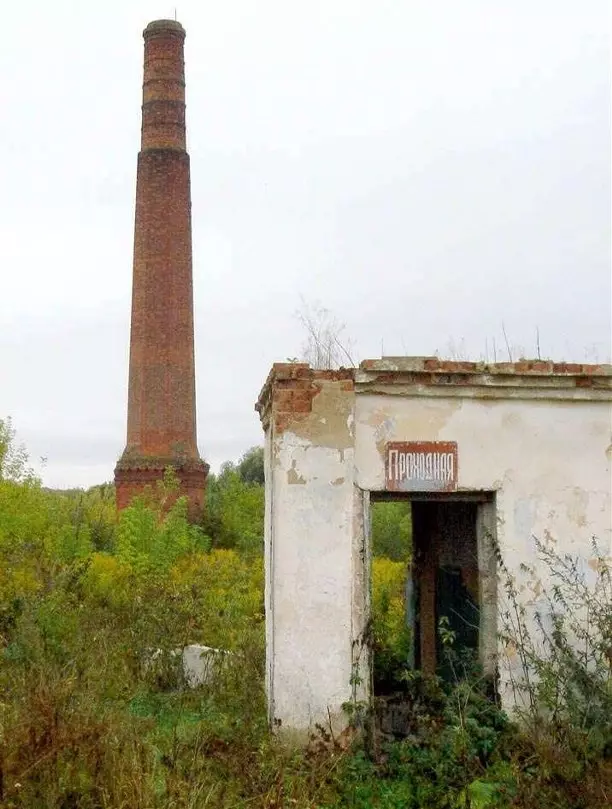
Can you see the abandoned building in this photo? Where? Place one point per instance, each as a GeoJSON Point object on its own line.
{"type": "Point", "coordinates": [491, 457]}
{"type": "Point", "coordinates": [161, 421]}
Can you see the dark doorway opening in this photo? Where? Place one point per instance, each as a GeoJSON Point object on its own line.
{"type": "Point", "coordinates": [445, 574]}
{"type": "Point", "coordinates": [432, 551]}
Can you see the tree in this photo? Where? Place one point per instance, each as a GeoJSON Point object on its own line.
{"type": "Point", "coordinates": [13, 457]}
{"type": "Point", "coordinates": [325, 347]}
{"type": "Point", "coordinates": [234, 515]}
{"type": "Point", "coordinates": [392, 530]}
{"type": "Point", "coordinates": [251, 466]}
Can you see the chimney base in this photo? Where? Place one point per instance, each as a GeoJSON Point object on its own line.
{"type": "Point", "coordinates": [138, 476]}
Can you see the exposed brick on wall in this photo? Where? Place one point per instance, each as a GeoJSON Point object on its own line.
{"type": "Point", "coordinates": [161, 409]}
{"type": "Point", "coordinates": [161, 428]}
{"type": "Point", "coordinates": [132, 482]}
{"type": "Point", "coordinates": [521, 367]}
{"type": "Point", "coordinates": [290, 389]}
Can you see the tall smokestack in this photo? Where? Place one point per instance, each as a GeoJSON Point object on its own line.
{"type": "Point", "coordinates": [161, 424]}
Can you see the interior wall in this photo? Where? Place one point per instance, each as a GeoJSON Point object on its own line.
{"type": "Point", "coordinates": [445, 544]}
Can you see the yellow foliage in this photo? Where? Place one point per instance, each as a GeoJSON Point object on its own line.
{"type": "Point", "coordinates": [18, 582]}
{"type": "Point", "coordinates": [108, 579]}
{"type": "Point", "coordinates": [388, 603]}
{"type": "Point", "coordinates": [227, 594]}
{"type": "Point", "coordinates": [388, 575]}
{"type": "Point", "coordinates": [391, 635]}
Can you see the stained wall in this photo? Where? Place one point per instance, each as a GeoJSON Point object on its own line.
{"type": "Point", "coordinates": [538, 438]}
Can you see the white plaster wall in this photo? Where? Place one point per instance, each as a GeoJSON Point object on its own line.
{"type": "Point", "coordinates": [269, 567]}
{"type": "Point", "coordinates": [311, 609]}
{"type": "Point", "coordinates": [549, 462]}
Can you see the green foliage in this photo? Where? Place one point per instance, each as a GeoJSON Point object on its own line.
{"type": "Point", "coordinates": [452, 757]}
{"type": "Point", "coordinates": [391, 635]}
{"type": "Point", "coordinates": [78, 621]}
{"type": "Point", "coordinates": [235, 511]}
{"type": "Point", "coordinates": [96, 508]}
{"type": "Point", "coordinates": [251, 466]}
{"type": "Point", "coordinates": [222, 593]}
{"type": "Point", "coordinates": [562, 672]}
{"type": "Point", "coordinates": [146, 541]}
{"type": "Point", "coordinates": [392, 529]}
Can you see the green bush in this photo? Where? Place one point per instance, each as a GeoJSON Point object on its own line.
{"type": "Point", "coordinates": [390, 634]}
{"type": "Point", "coordinates": [234, 515]}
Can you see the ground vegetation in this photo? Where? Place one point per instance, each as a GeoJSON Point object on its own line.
{"type": "Point", "coordinates": [86, 598]}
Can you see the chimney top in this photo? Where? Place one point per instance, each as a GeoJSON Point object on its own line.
{"type": "Point", "coordinates": [163, 27]}
{"type": "Point", "coordinates": [163, 87]}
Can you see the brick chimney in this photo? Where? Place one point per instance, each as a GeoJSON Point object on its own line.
{"type": "Point", "coordinates": [161, 423]}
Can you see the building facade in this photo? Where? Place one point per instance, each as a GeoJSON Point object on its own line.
{"type": "Point", "coordinates": [493, 459]}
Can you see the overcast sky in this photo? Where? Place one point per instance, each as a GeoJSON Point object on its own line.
{"type": "Point", "coordinates": [427, 170]}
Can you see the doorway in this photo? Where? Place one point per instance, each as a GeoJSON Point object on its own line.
{"type": "Point", "coordinates": [448, 585]}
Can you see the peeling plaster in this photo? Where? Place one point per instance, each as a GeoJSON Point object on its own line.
{"type": "Point", "coordinates": [294, 477]}
{"type": "Point", "coordinates": [542, 455]}
{"type": "Point", "coordinates": [330, 421]}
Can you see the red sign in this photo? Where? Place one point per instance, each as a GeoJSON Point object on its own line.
{"type": "Point", "coordinates": [421, 466]}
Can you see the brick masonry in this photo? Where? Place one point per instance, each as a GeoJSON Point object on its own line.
{"type": "Point", "coordinates": [288, 393]}
{"type": "Point", "coordinates": [161, 424]}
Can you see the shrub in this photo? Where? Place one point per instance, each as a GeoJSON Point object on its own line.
{"type": "Point", "coordinates": [391, 635]}
{"type": "Point", "coordinates": [562, 684]}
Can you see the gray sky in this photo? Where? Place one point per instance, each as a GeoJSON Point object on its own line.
{"type": "Point", "coordinates": [427, 170]}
